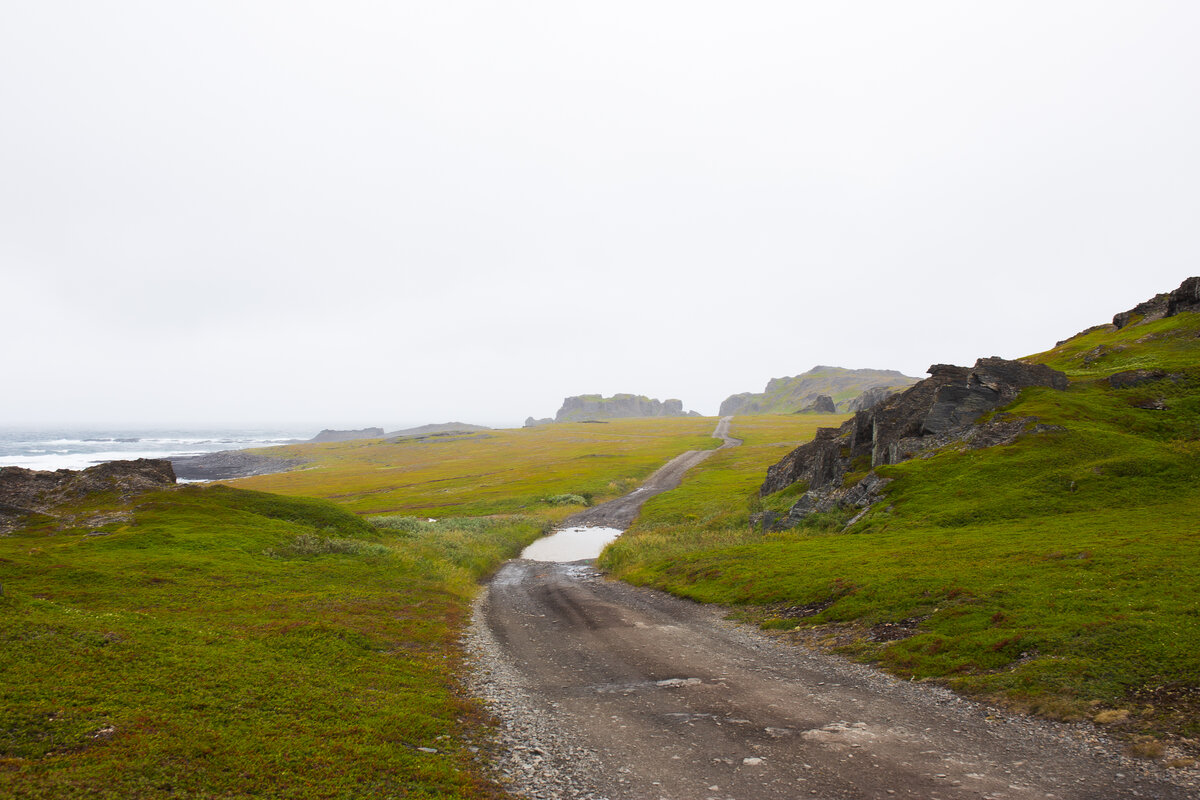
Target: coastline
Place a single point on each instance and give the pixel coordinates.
(230, 464)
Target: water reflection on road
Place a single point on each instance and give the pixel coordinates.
(570, 544)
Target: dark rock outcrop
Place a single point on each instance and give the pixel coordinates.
(937, 411)
(588, 407)
(1136, 377)
(27, 491)
(821, 404)
(328, 435)
(872, 397)
(1185, 298)
(229, 464)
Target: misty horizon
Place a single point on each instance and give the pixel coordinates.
(358, 213)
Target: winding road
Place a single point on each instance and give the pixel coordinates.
(621, 513)
(606, 690)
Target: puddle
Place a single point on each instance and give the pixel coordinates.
(571, 544)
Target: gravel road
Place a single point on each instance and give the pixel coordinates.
(605, 690)
(621, 513)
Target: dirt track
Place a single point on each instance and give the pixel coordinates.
(621, 513)
(605, 690)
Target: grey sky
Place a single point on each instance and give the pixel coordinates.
(382, 213)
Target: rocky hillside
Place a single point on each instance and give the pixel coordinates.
(800, 393)
(933, 413)
(26, 491)
(955, 406)
(584, 407)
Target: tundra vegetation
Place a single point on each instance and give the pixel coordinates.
(219, 641)
(213, 641)
(1058, 574)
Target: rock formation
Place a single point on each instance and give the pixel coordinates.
(328, 435)
(871, 397)
(933, 413)
(792, 394)
(27, 491)
(1185, 298)
(586, 407)
(530, 422)
(821, 404)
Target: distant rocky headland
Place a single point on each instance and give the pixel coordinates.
(329, 435)
(437, 429)
(596, 408)
(821, 390)
(231, 464)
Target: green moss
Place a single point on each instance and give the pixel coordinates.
(233, 644)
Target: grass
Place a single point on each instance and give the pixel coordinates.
(526, 470)
(1059, 575)
(217, 642)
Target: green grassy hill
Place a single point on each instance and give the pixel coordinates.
(218, 642)
(1059, 574)
(788, 395)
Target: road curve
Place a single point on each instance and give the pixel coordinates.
(604, 690)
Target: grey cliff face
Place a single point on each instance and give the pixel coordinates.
(736, 403)
(939, 410)
(594, 407)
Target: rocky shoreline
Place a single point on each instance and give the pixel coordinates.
(230, 464)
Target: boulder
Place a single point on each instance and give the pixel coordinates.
(1136, 377)
(821, 404)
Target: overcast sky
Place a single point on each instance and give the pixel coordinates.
(384, 213)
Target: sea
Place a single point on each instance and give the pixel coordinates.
(78, 448)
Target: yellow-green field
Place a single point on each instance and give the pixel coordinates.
(493, 472)
(218, 642)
